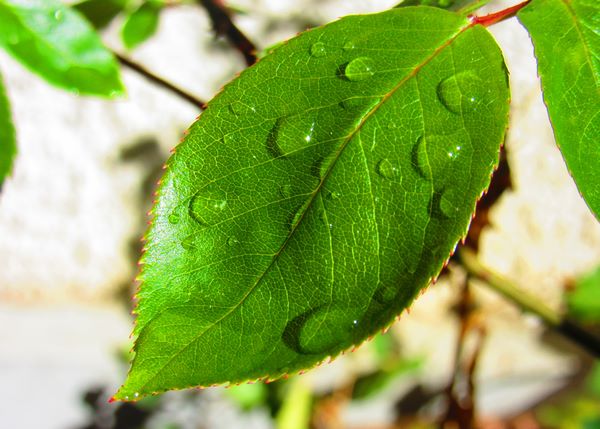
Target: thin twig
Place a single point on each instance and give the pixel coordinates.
(223, 25)
(160, 81)
(564, 326)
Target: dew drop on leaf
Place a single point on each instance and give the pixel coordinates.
(318, 49)
(334, 195)
(348, 46)
(207, 210)
(232, 241)
(461, 93)
(319, 330)
(189, 243)
(358, 69)
(351, 103)
(285, 191)
(291, 134)
(238, 108)
(386, 169)
(449, 202)
(433, 153)
(174, 217)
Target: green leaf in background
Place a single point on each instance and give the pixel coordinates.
(100, 12)
(584, 300)
(8, 144)
(141, 24)
(55, 42)
(317, 194)
(566, 38)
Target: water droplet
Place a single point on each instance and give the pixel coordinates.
(450, 202)
(318, 49)
(319, 330)
(58, 15)
(232, 241)
(238, 108)
(207, 209)
(348, 46)
(360, 68)
(299, 214)
(228, 139)
(333, 195)
(386, 169)
(386, 294)
(461, 93)
(136, 395)
(352, 103)
(433, 153)
(189, 243)
(285, 191)
(325, 219)
(174, 217)
(291, 134)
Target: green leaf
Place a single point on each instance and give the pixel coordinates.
(100, 12)
(584, 300)
(141, 24)
(317, 194)
(566, 38)
(55, 42)
(8, 144)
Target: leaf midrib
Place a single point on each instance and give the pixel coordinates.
(317, 190)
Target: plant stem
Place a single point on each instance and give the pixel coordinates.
(223, 25)
(160, 81)
(494, 18)
(566, 327)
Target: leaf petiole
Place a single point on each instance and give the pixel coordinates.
(496, 17)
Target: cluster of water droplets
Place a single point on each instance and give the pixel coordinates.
(460, 93)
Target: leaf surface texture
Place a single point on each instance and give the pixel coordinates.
(317, 194)
(566, 37)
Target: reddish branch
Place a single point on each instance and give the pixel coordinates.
(496, 17)
(224, 26)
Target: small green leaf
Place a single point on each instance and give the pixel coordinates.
(55, 42)
(317, 194)
(141, 24)
(584, 300)
(566, 38)
(100, 12)
(8, 144)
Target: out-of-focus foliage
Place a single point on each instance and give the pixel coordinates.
(141, 23)
(101, 12)
(8, 146)
(57, 43)
(584, 300)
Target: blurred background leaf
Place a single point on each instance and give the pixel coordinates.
(8, 146)
(57, 43)
(141, 24)
(101, 12)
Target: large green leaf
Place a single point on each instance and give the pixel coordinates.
(58, 44)
(316, 195)
(8, 144)
(566, 37)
